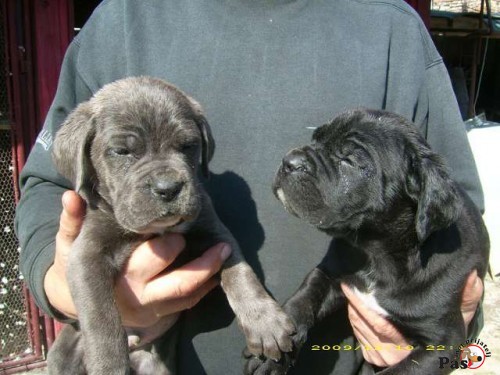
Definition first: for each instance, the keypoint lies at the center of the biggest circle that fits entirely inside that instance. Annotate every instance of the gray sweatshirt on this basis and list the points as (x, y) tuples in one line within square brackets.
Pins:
[(266, 72)]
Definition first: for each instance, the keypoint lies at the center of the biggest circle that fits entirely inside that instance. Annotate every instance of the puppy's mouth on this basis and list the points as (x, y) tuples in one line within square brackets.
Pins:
[(299, 194), (280, 194), (166, 224), (320, 223)]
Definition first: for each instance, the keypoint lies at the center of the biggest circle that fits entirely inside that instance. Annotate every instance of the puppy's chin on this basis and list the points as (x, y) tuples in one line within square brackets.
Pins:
[(317, 214), (280, 194), (316, 218), (178, 224), (162, 224)]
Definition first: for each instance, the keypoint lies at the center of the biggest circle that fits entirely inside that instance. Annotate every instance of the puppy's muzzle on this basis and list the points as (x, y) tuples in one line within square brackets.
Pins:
[(298, 160), (296, 165), (166, 189)]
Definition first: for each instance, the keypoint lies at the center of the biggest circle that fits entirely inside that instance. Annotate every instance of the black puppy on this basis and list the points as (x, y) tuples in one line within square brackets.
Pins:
[(405, 235)]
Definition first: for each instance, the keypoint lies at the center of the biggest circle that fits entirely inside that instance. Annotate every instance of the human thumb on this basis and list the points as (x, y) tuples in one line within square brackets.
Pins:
[(72, 216)]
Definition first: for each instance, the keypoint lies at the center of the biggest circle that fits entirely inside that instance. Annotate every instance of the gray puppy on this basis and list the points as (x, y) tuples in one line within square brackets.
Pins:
[(132, 152)]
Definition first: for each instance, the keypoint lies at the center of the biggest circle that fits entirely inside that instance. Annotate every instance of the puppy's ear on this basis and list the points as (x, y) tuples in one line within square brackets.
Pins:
[(436, 195), (207, 146), (71, 151), (207, 140)]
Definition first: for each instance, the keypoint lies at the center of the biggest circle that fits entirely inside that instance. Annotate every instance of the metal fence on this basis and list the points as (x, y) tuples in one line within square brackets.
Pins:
[(464, 6), (33, 38), (14, 338), (4, 101), (20, 344), (14, 335)]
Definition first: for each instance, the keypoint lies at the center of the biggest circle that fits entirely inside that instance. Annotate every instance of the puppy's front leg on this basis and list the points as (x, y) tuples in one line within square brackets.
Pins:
[(267, 328), (316, 298), (91, 276)]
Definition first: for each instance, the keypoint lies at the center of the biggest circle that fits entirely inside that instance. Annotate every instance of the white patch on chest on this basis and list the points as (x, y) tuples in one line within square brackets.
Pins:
[(370, 301)]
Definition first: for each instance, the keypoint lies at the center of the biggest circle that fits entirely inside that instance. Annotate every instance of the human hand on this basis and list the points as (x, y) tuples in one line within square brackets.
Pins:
[(471, 295), (144, 293), (373, 331)]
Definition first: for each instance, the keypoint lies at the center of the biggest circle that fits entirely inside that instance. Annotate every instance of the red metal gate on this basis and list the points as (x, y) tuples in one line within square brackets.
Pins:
[(34, 36)]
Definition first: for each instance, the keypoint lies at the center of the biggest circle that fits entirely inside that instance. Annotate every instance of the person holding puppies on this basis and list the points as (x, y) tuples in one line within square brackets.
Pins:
[(265, 72)]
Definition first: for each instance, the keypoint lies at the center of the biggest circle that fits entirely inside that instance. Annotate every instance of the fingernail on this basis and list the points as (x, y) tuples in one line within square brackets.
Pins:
[(225, 252)]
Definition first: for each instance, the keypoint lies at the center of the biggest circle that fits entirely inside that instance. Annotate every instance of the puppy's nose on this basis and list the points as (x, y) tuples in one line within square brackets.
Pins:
[(166, 190), (295, 161)]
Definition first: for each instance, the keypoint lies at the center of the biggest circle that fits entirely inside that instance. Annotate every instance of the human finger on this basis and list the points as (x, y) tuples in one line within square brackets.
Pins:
[(153, 256), (471, 295), (71, 219), (364, 311), (185, 280), (379, 338), (184, 303)]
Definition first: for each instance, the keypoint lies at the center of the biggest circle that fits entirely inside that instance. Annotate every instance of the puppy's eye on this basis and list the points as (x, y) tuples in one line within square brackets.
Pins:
[(120, 151), (346, 162), (188, 147)]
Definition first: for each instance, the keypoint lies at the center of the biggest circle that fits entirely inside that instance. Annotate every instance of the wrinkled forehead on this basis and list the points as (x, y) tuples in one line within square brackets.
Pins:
[(150, 118), (337, 129), (359, 129), (336, 134), (330, 133)]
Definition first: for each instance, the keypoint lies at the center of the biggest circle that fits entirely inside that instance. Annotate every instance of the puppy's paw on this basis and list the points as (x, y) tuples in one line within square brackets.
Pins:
[(268, 330), (266, 366)]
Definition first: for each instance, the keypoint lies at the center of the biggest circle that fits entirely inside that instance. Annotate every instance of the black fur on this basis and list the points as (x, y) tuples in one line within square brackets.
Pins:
[(401, 228)]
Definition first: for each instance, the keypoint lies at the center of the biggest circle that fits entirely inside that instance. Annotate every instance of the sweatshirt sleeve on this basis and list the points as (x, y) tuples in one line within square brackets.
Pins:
[(439, 116), (446, 132), (418, 87), (38, 211)]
